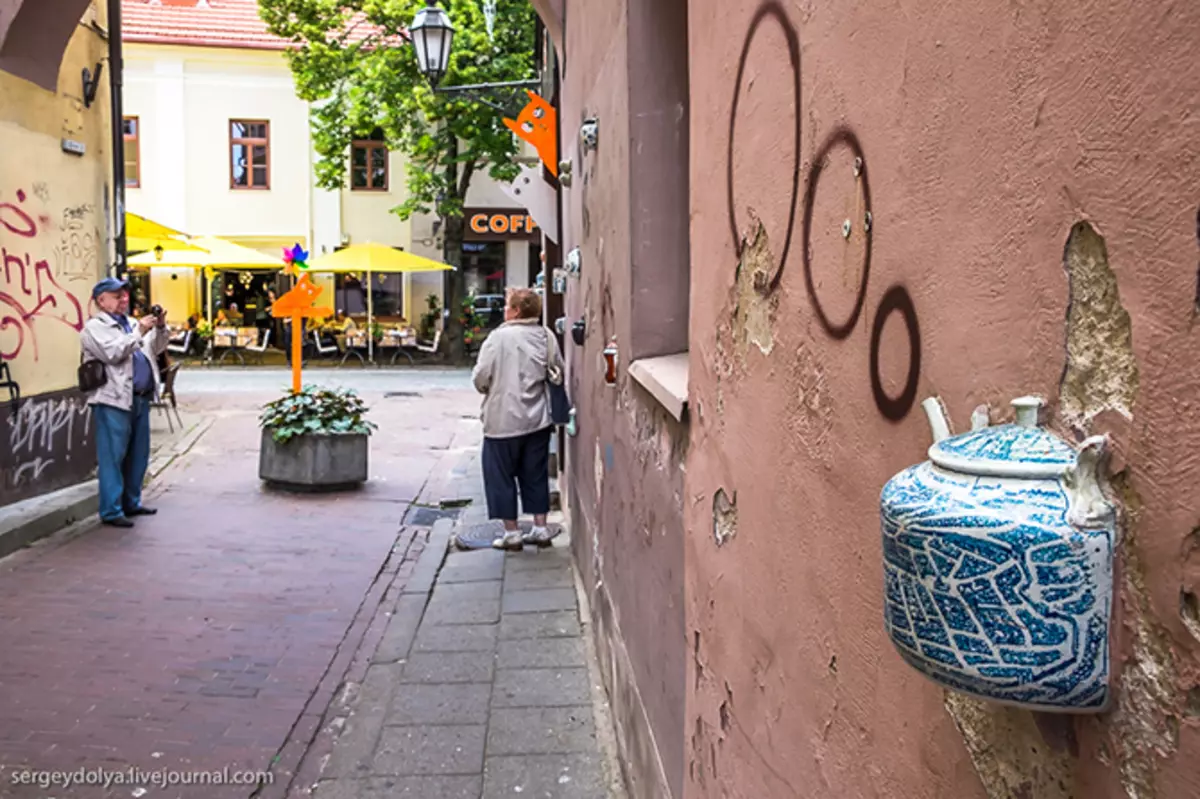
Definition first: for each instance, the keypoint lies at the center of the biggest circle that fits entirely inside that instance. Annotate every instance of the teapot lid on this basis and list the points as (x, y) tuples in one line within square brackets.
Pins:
[(1021, 449)]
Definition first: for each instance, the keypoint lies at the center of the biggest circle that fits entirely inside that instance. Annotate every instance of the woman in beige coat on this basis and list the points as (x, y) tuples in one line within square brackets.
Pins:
[(514, 364)]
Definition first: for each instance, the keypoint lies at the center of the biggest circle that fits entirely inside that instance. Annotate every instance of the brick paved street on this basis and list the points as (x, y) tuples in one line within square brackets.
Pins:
[(216, 634)]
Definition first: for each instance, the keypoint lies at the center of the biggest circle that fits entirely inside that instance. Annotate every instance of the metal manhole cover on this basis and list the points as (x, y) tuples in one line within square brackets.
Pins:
[(480, 536), (425, 517)]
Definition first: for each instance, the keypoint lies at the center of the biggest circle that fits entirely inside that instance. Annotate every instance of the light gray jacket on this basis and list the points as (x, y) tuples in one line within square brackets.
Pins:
[(103, 340), (514, 363)]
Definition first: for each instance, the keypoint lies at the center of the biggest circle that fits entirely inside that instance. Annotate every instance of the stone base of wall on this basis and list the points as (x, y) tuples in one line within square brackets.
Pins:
[(644, 773)]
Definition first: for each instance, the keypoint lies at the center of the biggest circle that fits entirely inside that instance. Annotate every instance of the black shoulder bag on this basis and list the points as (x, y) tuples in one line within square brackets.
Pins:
[(560, 403)]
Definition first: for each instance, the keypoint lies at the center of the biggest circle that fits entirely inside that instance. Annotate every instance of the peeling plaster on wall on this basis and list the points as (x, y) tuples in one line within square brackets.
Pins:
[(750, 315), (1008, 752), (753, 312), (724, 516), (1098, 390), (1145, 724), (1101, 372)]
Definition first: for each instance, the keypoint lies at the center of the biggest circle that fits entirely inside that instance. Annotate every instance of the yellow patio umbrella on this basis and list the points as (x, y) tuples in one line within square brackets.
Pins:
[(371, 258), (212, 255)]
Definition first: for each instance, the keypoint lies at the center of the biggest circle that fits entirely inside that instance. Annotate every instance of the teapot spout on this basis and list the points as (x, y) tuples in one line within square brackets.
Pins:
[(1089, 507), (939, 421)]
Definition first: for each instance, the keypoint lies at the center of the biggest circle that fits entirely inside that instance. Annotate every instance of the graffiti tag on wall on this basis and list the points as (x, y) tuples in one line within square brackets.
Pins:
[(31, 294), (896, 299), (48, 442)]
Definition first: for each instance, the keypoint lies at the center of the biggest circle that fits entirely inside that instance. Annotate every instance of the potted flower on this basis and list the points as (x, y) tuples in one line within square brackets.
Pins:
[(316, 440)]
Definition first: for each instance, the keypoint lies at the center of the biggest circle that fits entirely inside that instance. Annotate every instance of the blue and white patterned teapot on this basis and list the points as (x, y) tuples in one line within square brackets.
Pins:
[(998, 563)]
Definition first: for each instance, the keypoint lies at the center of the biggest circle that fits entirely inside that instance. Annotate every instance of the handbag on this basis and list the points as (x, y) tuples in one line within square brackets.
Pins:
[(91, 375), (560, 403)]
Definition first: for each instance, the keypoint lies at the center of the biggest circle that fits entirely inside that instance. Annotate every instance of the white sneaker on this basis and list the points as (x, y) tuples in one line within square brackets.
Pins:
[(508, 541), (538, 536)]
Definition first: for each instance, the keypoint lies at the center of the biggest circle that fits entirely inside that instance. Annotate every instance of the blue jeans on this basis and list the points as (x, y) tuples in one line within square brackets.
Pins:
[(122, 455)]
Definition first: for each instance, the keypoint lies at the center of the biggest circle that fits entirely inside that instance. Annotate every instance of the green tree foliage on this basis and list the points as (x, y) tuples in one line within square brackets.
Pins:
[(351, 59)]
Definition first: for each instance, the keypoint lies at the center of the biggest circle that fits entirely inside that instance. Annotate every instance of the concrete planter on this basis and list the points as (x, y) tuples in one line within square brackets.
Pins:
[(319, 462)]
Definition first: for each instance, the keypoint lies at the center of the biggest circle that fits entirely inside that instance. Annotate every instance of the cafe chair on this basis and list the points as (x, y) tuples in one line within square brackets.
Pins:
[(321, 350), (260, 349), (167, 395), (183, 347), (430, 349)]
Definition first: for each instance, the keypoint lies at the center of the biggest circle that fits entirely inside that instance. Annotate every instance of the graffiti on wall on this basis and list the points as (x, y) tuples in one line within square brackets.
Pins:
[(31, 294), (896, 299), (49, 444)]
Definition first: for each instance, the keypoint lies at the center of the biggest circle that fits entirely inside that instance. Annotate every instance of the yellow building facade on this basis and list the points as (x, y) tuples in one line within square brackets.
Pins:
[(55, 232)]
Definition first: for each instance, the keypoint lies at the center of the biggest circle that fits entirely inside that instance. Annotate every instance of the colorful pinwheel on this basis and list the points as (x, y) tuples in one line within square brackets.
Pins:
[(296, 257)]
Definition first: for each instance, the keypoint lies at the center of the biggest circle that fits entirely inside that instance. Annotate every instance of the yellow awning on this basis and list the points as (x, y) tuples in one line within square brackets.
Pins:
[(212, 253), (374, 258), (145, 234)]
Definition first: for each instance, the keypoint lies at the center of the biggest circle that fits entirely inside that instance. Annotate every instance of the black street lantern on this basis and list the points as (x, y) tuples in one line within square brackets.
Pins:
[(432, 35)]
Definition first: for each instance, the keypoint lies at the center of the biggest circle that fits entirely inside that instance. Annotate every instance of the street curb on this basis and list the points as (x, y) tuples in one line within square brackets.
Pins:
[(25, 522), (430, 563), (400, 616)]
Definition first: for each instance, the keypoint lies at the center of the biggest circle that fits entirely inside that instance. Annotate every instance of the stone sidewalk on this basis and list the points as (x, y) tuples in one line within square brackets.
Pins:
[(485, 687)]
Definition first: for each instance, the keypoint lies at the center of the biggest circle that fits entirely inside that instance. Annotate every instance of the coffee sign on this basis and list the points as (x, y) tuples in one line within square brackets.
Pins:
[(498, 224)]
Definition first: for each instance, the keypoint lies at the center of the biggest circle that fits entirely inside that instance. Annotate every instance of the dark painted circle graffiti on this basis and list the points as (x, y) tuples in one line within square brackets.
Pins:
[(775, 10), (897, 300), (846, 138)]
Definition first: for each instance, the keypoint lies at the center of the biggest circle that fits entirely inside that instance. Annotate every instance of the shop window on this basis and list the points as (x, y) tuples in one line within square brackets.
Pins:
[(369, 164), (133, 160), (250, 154)]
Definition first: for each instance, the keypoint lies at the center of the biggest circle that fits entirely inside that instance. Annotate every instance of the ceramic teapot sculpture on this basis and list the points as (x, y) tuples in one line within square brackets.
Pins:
[(998, 563)]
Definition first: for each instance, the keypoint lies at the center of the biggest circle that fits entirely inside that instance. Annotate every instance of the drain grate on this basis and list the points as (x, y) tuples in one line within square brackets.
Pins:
[(420, 516), (391, 394)]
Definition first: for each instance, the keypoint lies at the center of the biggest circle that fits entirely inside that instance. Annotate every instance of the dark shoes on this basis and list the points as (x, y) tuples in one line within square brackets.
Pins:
[(123, 521)]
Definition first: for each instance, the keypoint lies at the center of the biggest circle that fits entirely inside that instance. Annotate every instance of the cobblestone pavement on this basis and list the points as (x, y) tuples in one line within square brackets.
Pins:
[(483, 688), (214, 635)]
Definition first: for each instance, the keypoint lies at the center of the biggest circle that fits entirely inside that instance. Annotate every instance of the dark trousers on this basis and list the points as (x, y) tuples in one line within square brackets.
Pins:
[(509, 462)]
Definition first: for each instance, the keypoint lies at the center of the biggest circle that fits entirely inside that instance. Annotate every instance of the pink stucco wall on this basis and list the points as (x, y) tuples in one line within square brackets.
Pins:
[(988, 129), (988, 132)]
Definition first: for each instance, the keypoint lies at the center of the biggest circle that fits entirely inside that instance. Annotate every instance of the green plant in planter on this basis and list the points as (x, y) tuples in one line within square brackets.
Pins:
[(316, 411)]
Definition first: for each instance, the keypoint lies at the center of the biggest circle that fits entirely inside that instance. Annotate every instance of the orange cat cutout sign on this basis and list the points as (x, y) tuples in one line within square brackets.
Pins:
[(537, 125), (297, 304)]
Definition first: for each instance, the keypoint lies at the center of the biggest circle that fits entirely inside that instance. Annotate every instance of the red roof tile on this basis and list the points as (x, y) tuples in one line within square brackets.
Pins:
[(208, 23)]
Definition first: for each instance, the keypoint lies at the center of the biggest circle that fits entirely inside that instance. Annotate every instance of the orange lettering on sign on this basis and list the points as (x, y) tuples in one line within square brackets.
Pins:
[(499, 223), (479, 223)]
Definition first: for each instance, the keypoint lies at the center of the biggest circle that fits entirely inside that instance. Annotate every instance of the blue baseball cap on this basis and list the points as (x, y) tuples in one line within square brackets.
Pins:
[(109, 284)]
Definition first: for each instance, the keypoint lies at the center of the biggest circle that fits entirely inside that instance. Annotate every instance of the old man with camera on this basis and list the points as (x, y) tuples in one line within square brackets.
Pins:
[(119, 373)]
